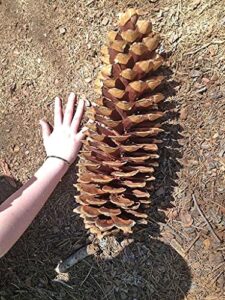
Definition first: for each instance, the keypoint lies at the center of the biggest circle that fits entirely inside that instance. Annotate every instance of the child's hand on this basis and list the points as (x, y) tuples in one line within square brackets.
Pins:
[(64, 140)]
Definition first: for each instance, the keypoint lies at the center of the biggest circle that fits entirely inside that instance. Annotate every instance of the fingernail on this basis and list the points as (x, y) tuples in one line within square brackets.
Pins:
[(72, 97)]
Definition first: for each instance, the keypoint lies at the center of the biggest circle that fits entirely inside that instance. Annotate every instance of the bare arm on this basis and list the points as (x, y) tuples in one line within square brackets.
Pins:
[(18, 211)]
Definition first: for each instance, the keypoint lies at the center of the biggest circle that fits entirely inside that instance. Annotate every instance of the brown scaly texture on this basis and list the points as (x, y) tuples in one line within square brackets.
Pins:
[(119, 155)]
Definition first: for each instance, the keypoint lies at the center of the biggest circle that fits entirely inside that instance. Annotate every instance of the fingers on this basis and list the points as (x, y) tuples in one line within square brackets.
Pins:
[(45, 128), (69, 111), (78, 116), (58, 113), (81, 134)]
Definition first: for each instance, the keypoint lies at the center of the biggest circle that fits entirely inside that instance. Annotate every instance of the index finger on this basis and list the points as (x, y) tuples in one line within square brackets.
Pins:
[(58, 112)]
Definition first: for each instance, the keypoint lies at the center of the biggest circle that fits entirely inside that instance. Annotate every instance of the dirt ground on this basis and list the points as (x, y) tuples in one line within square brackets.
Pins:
[(51, 47)]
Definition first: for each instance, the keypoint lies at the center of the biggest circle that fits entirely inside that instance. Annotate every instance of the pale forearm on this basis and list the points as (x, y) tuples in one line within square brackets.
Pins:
[(18, 211), (62, 141)]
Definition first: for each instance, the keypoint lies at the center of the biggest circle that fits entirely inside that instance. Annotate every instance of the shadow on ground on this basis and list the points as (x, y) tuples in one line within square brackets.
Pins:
[(147, 269)]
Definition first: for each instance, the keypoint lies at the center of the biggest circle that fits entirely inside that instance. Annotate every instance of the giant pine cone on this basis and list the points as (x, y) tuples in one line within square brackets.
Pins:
[(119, 155)]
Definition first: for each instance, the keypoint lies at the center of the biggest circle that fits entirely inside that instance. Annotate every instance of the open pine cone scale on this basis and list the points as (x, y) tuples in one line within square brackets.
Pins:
[(119, 155)]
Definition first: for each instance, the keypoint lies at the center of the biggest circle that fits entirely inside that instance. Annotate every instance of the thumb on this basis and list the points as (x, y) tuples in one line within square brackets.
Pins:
[(45, 128)]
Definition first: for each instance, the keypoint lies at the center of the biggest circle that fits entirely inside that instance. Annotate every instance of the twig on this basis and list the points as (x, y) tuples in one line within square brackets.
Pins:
[(192, 244), (204, 217), (217, 277), (86, 277), (214, 278), (223, 207), (203, 47), (76, 257), (63, 283)]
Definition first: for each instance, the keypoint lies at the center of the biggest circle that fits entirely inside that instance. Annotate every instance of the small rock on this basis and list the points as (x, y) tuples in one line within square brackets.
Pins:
[(27, 152), (88, 79), (208, 104), (183, 113), (221, 190), (202, 90), (214, 77), (12, 88), (186, 218), (16, 148), (212, 165), (205, 80), (193, 162), (205, 146), (213, 50), (39, 60), (195, 73), (62, 30), (221, 153), (56, 81), (215, 95), (105, 21)]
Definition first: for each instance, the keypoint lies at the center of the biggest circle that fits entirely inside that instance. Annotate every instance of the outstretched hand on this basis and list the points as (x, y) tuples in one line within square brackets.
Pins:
[(64, 140)]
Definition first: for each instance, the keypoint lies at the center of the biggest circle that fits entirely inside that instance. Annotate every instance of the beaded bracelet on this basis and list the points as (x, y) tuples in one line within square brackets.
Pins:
[(63, 159)]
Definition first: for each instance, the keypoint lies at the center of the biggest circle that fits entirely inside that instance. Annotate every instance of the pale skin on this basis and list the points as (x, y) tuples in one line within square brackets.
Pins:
[(64, 141)]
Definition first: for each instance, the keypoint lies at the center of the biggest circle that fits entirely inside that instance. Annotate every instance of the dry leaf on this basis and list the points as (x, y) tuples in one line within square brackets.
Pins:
[(185, 218), (171, 213), (207, 244)]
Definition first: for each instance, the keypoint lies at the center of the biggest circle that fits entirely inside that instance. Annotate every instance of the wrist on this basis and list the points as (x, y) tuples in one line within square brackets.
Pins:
[(53, 166)]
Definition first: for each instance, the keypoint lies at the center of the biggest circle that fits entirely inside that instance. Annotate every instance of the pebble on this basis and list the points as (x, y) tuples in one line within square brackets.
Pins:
[(205, 146), (214, 77), (16, 148), (205, 80), (215, 95), (88, 79), (216, 135), (105, 21), (195, 73), (56, 81), (202, 90), (212, 165), (62, 30), (183, 113), (221, 153), (12, 88)]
